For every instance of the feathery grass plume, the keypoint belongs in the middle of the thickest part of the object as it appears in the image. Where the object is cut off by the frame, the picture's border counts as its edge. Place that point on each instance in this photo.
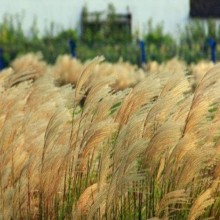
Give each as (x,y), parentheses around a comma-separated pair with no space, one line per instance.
(182,109)
(85,75)
(94,87)
(88,133)
(53,158)
(205,95)
(67,70)
(142,94)
(104,167)
(66,93)
(214,162)
(125,172)
(177,84)
(166,105)
(131,132)
(101,171)
(90,137)
(160,147)
(90,145)
(48,98)
(128,135)
(202,202)
(200,69)
(4,74)
(193,163)
(126,74)
(95,136)
(166,70)
(199,113)
(97,209)
(173,66)
(43,91)
(94,98)
(169,200)
(210,79)
(52,164)
(19,165)
(104,173)
(10,144)
(108,107)
(86,200)
(175,160)
(28,67)
(9,106)
(117,184)
(30,61)
(21,77)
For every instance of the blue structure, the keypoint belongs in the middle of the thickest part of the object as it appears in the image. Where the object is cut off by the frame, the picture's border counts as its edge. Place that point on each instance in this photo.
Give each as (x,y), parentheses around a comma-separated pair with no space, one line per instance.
(212,45)
(143,53)
(72,45)
(2,62)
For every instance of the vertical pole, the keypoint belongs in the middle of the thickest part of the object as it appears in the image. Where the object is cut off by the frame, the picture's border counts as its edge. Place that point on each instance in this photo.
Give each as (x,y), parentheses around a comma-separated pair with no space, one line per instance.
(72,45)
(2,63)
(212,45)
(143,53)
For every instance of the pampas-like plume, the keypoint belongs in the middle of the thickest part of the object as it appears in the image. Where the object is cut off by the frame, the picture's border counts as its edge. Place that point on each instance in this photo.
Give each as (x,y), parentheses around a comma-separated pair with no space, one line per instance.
(28,67)
(86,200)
(85,75)
(101,194)
(123,170)
(194,161)
(205,95)
(139,96)
(53,159)
(203,201)
(172,198)
(160,147)
(67,70)
(103,150)
(126,74)
(95,136)
(169,101)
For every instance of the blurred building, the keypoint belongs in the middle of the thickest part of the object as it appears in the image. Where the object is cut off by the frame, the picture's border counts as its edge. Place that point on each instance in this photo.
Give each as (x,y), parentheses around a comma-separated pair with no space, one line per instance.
(205,9)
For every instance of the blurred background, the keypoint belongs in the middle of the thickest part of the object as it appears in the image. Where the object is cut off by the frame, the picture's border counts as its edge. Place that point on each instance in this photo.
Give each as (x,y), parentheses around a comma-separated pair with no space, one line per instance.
(134,31)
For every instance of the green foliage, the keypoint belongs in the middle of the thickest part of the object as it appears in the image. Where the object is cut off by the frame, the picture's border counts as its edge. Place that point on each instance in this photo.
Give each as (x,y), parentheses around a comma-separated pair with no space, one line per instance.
(194,40)
(160,46)
(108,40)
(212,111)
(115,107)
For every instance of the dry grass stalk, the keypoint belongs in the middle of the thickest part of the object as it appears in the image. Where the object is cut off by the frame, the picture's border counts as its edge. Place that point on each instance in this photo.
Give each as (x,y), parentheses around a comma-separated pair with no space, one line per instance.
(202,202)
(175,197)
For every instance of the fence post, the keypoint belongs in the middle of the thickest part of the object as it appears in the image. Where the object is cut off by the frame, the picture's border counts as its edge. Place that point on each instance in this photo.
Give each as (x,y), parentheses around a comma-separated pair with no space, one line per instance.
(72,45)
(143,53)
(212,45)
(2,62)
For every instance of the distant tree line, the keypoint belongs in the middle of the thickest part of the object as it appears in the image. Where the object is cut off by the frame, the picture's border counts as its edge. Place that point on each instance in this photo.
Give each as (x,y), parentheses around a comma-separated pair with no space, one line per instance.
(191,45)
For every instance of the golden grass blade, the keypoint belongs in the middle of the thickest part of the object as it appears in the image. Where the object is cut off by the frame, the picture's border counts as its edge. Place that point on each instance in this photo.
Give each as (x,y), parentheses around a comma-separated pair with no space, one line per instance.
(86,200)
(160,147)
(172,198)
(142,94)
(86,73)
(202,202)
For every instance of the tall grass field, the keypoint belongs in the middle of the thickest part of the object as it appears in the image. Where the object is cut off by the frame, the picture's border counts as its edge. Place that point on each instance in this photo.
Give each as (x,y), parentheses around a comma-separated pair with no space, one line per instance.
(97,140)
